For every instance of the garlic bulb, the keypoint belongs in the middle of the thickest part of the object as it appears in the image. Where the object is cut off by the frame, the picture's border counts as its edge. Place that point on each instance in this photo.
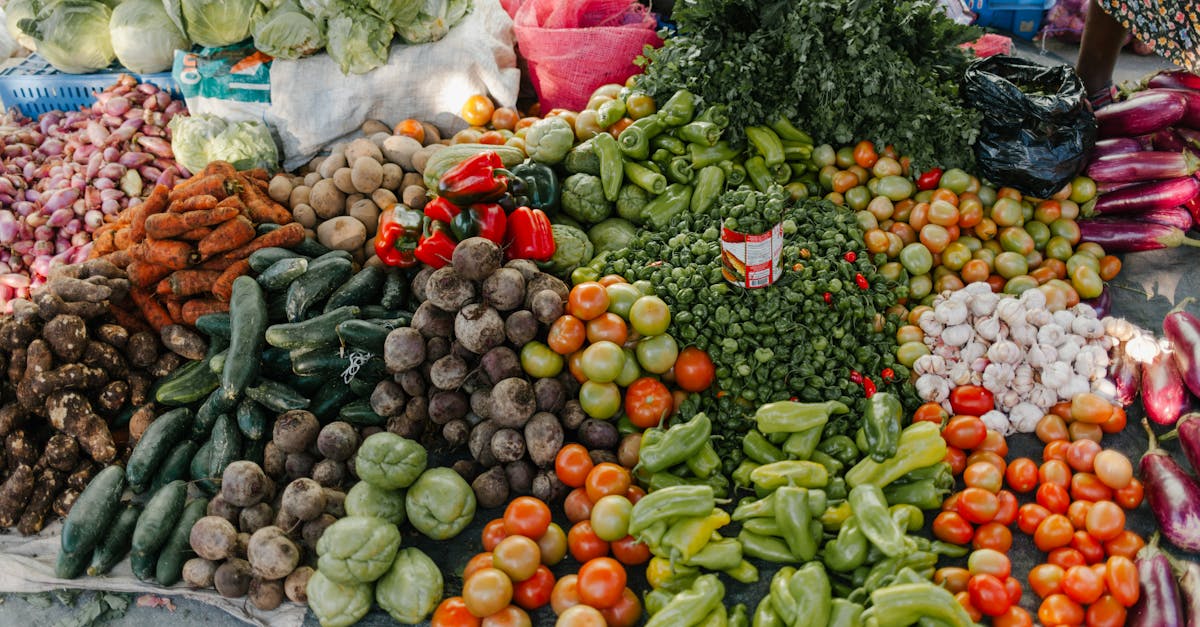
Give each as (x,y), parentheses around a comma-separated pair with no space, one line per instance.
(1042,396)
(983,304)
(997,421)
(1089,328)
(1056,375)
(930,324)
(1025,416)
(1033,299)
(1119,328)
(1039,317)
(960,373)
(1051,334)
(1039,355)
(1025,335)
(1023,381)
(988,328)
(1007,399)
(1010,310)
(932,388)
(957,335)
(1004,352)
(929,364)
(951,312)
(1075,386)
(1064,318)
(973,351)
(1069,348)
(997,377)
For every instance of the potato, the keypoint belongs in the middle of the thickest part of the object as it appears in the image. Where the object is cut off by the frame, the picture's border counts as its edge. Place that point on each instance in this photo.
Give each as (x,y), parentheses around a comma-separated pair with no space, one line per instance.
(366,175)
(344,181)
(295,431)
(366,212)
(334,162)
(243,483)
(520,476)
(432,133)
(328,473)
(362,147)
(313,164)
(404,348)
(383,198)
(327,200)
(296,585)
(299,196)
(543,437)
(243,541)
(475,258)
(255,517)
(312,178)
(491,488)
(304,498)
(520,327)
(312,530)
(479,328)
(232,579)
(508,445)
(343,233)
(414,196)
(198,573)
(392,176)
(432,321)
(598,434)
(421,157)
(280,188)
(504,289)
(400,150)
(448,289)
(265,594)
(338,441)
(353,197)
(371,127)
(213,538)
(272,554)
(513,402)
(305,215)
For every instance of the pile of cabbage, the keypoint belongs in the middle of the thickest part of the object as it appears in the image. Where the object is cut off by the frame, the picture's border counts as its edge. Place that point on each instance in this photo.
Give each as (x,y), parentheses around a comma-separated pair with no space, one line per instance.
(200,139)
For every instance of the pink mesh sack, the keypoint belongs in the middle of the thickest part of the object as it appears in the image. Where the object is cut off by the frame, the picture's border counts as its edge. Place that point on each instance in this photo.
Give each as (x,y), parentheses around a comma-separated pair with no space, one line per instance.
(574,46)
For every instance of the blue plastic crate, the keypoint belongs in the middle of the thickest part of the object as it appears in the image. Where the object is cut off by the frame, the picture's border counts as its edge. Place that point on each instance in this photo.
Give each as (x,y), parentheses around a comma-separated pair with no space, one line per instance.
(1021,18)
(34,87)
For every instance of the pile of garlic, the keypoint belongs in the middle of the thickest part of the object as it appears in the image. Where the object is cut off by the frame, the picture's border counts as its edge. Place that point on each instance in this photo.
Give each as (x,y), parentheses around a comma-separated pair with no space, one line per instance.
(1026,356)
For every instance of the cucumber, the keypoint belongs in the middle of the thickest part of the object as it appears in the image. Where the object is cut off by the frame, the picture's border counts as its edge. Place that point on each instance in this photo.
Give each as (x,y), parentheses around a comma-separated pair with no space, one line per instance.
(275,360)
(216,365)
(249,320)
(154,526)
(159,438)
(277,307)
(216,344)
(198,469)
(92,512)
(363,335)
(282,273)
(255,450)
(187,385)
(311,247)
(264,258)
(360,414)
(178,546)
(378,312)
(362,387)
(323,277)
(362,288)
(326,361)
(251,419)
(328,400)
(395,289)
(206,415)
(226,445)
(214,324)
(306,386)
(276,397)
(70,565)
(176,465)
(116,543)
(318,331)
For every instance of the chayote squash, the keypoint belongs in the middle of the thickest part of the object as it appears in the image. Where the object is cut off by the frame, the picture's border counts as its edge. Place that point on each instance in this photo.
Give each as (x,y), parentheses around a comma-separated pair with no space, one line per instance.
(389,461)
(365,499)
(440,504)
(336,604)
(357,549)
(412,587)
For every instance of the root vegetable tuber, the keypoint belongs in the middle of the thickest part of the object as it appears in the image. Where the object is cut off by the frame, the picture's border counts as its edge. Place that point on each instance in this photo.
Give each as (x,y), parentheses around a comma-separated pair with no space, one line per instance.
(67,336)
(71,413)
(15,493)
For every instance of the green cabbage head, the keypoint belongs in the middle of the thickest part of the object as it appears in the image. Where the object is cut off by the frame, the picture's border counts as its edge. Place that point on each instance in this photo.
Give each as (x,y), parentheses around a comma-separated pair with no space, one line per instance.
(72,35)
(286,32)
(434,19)
(215,23)
(144,37)
(14,12)
(358,41)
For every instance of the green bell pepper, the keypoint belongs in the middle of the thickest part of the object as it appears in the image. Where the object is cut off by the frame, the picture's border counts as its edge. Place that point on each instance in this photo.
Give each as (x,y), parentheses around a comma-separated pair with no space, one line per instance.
(848,550)
(845,613)
(781,596)
(765,616)
(841,448)
(799,473)
(670,143)
(881,425)
(542,188)
(708,187)
(671,503)
(757,448)
(703,133)
(703,156)
(905,604)
(802,445)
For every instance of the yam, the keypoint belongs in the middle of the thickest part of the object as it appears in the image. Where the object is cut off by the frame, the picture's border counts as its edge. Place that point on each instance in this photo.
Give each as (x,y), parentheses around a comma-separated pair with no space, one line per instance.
(446,406)
(107,358)
(232,579)
(114,335)
(142,349)
(449,290)
(213,538)
(513,402)
(543,438)
(520,327)
(69,412)
(61,453)
(67,336)
(500,363)
(337,441)
(112,398)
(366,175)
(404,348)
(327,200)
(547,306)
(295,431)
(491,488)
(183,341)
(476,258)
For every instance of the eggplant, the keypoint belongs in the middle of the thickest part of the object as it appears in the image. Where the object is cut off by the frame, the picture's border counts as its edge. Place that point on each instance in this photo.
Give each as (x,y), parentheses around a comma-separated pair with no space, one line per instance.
(1191,137)
(1163,394)
(1158,605)
(1188,573)
(1191,102)
(1101,304)
(1147,113)
(1126,374)
(1128,236)
(1174,79)
(1182,330)
(1154,195)
(1116,146)
(1110,187)
(1187,431)
(1168,140)
(1143,166)
(1177,217)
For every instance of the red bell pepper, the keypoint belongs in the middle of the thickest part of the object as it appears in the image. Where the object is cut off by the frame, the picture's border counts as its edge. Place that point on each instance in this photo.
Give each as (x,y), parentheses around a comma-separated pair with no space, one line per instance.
(487,220)
(442,210)
(530,235)
(480,178)
(929,179)
(436,246)
(397,236)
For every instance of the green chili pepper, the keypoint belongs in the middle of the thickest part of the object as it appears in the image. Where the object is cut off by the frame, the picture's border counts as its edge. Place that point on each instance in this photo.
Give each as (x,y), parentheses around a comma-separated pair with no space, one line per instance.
(741,475)
(705,462)
(610,112)
(947,549)
(672,144)
(876,523)
(756,171)
(677,444)
(679,109)
(921,445)
(832,465)
(767,143)
(881,425)
(848,550)
(645,178)
(670,503)
(664,479)
(781,173)
(717,114)
(793,417)
(716,618)
(905,604)
(634,141)
(612,165)
(811,589)
(908,575)
(751,508)
(723,554)
(757,448)
(712,155)
(763,527)
(765,548)
(703,133)
(939,472)
(738,617)
(661,158)
(765,616)
(652,536)
(660,212)
(802,445)
(744,572)
(803,474)
(689,536)
(691,606)
(837,490)
(709,185)
(844,613)
(788,132)
(679,170)
(907,517)
(735,173)
(835,515)
(655,600)
(797,153)
(781,596)
(793,518)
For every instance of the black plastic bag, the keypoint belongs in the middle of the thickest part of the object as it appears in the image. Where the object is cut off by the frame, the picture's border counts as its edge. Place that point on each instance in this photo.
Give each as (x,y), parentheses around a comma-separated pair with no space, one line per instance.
(1037,129)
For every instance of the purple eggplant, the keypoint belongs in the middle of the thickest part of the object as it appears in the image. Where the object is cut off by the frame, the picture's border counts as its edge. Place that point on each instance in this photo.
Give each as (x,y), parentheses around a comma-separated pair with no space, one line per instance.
(1168,140)
(1158,605)
(1147,113)
(1177,217)
(1188,573)
(1116,146)
(1182,330)
(1191,102)
(1187,431)
(1129,236)
(1126,374)
(1108,188)
(1143,166)
(1191,137)
(1101,304)
(1174,79)
(1163,393)
(1154,195)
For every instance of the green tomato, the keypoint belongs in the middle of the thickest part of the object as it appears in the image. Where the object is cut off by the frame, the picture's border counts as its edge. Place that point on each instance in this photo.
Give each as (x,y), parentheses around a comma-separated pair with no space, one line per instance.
(1039,232)
(866,220)
(896,188)
(858,197)
(602,362)
(993,246)
(892,271)
(916,258)
(920,286)
(825,176)
(986,254)
(1083,189)
(1091,248)
(1027,211)
(630,372)
(845,157)
(955,180)
(610,517)
(657,354)
(645,287)
(538,361)
(1059,248)
(621,297)
(1015,239)
(987,195)
(600,400)
(1019,284)
(650,316)
(972,243)
(823,155)
(1007,212)
(1009,264)
(956,256)
(1066,228)
(925,195)
(908,352)
(873,186)
(881,207)
(1082,259)
(583,274)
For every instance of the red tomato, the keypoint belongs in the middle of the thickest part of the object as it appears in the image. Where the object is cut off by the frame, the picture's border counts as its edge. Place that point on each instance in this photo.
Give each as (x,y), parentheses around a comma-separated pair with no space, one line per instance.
(535,591)
(1106,612)
(965,432)
(1014,589)
(1059,609)
(1022,475)
(1077,513)
(587,300)
(989,562)
(1126,544)
(978,505)
(1029,516)
(1065,557)
(988,594)
(1054,498)
(1130,496)
(452,612)
(694,370)
(565,594)
(553,545)
(952,578)
(626,612)
(994,442)
(1055,472)
(630,552)
(953,528)
(1086,486)
(607,326)
(1105,520)
(1016,616)
(1055,531)
(583,542)
(566,335)
(605,479)
(1081,455)
(1083,585)
(1090,548)
(572,465)
(577,505)
(1046,579)
(992,535)
(983,475)
(648,402)
(601,582)
(1006,514)
(526,516)
(1055,450)
(493,533)
(1121,578)
(476,564)
(964,599)
(931,412)
(972,400)
(957,460)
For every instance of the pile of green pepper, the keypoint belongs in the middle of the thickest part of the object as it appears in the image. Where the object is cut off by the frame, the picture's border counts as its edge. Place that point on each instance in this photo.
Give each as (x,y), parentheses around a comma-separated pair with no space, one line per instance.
(681,455)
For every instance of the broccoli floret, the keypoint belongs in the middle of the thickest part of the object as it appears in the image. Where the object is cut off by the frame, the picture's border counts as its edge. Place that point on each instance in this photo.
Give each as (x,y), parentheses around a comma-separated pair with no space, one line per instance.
(583,198)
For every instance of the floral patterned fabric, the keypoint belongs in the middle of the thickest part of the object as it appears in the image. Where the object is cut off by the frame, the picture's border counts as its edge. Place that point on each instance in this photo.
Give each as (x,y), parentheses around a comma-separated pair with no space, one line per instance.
(1170,27)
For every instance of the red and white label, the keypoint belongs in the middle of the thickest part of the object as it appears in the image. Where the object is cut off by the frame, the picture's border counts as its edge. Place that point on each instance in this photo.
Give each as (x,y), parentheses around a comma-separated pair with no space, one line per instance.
(752,261)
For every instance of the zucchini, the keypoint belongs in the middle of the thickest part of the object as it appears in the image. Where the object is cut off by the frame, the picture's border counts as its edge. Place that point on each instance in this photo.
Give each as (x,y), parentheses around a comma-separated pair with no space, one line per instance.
(276,360)
(323,277)
(176,465)
(255,451)
(360,414)
(318,331)
(362,387)
(328,400)
(395,289)
(306,386)
(378,312)
(178,546)
(326,361)
(157,441)
(282,273)
(226,445)
(362,288)
(154,526)
(92,512)
(363,335)
(276,397)
(199,466)
(311,247)
(264,258)
(251,419)
(70,565)
(451,156)
(206,415)
(117,541)
(214,324)
(216,344)
(249,320)
(216,365)
(187,385)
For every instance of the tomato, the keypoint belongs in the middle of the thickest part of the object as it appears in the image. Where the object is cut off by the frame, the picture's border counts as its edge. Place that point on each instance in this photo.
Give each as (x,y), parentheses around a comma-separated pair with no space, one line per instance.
(477,110)
(650,316)
(1066,557)
(540,361)
(929,412)
(526,516)
(602,361)
(1054,498)
(1077,513)
(630,551)
(1130,497)
(973,400)
(630,372)
(583,542)
(1116,422)
(510,616)
(1081,455)
(977,505)
(575,366)
(1006,513)
(1029,516)
(647,403)
(505,118)
(1090,548)
(1046,579)
(1105,521)
(493,533)
(1055,472)
(607,326)
(964,599)
(639,105)
(952,578)
(601,582)
(987,457)
(572,465)
(1105,612)
(694,370)
(610,517)
(600,400)
(565,594)
(625,612)
(1013,587)
(581,616)
(1113,469)
(453,612)
(983,475)
(411,128)
(965,432)
(552,545)
(1085,431)
(487,592)
(1085,485)
(988,595)
(621,297)
(865,155)
(587,300)
(1059,609)
(518,557)
(1082,585)
(994,536)
(1053,532)
(956,459)
(577,506)
(566,335)
(1088,407)
(1121,579)
(657,354)
(476,564)
(993,442)
(989,562)
(1021,475)
(1056,450)
(534,591)
(953,528)
(607,479)
(1016,616)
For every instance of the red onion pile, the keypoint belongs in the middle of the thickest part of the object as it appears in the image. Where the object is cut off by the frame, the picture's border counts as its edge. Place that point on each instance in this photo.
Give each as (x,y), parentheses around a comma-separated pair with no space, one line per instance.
(64,173)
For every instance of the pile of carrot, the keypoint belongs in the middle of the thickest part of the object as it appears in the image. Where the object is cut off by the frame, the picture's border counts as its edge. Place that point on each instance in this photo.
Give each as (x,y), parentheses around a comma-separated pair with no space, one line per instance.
(183,247)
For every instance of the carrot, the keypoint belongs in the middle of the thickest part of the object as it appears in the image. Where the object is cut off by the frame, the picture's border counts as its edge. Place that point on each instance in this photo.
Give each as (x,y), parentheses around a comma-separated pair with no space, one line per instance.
(232,201)
(224,168)
(163,288)
(154,313)
(197,307)
(261,208)
(215,185)
(127,319)
(156,202)
(169,253)
(194,203)
(190,282)
(284,237)
(168,225)
(196,234)
(222,288)
(123,238)
(217,263)
(230,235)
(260,174)
(103,243)
(174,309)
(261,184)
(145,275)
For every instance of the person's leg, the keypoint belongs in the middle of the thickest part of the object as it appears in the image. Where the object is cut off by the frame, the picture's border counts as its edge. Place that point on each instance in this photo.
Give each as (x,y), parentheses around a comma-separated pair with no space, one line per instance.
(1099,49)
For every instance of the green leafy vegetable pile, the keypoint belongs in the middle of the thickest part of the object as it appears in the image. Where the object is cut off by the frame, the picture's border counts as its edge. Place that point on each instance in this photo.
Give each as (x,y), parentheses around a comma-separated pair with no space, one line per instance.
(846,70)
